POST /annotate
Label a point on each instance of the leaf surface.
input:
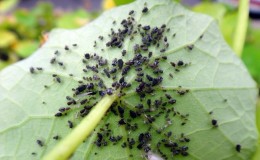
(216, 79)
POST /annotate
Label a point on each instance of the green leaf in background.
(121, 2)
(212, 85)
(7, 38)
(251, 58)
(73, 20)
(25, 48)
(257, 154)
(6, 5)
(251, 54)
(216, 10)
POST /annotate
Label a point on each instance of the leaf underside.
(214, 82)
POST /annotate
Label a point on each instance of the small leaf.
(25, 48)
(73, 20)
(7, 38)
(195, 99)
(6, 5)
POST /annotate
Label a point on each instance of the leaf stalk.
(241, 27)
(69, 144)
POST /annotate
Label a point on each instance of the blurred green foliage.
(23, 31)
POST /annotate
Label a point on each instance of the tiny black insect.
(120, 63)
(39, 142)
(109, 91)
(70, 124)
(66, 48)
(238, 147)
(214, 122)
(58, 114)
(53, 60)
(75, 45)
(190, 47)
(146, 28)
(87, 56)
(180, 63)
(123, 52)
(32, 70)
(56, 137)
(145, 10)
(39, 68)
(60, 63)
(131, 12)
(58, 79)
(121, 122)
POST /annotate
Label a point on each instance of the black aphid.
(40, 143)
(109, 91)
(146, 28)
(133, 114)
(101, 38)
(145, 10)
(123, 52)
(87, 55)
(131, 12)
(58, 79)
(32, 70)
(120, 63)
(172, 101)
(62, 109)
(180, 63)
(238, 147)
(74, 45)
(53, 60)
(121, 122)
(56, 137)
(107, 73)
(60, 63)
(150, 54)
(66, 48)
(70, 124)
(214, 122)
(58, 114)
(39, 68)
(190, 47)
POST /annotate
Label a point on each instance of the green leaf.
(121, 2)
(73, 20)
(25, 48)
(7, 38)
(216, 10)
(216, 79)
(6, 5)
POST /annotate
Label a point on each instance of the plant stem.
(67, 146)
(241, 28)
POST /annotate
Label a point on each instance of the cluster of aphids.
(150, 107)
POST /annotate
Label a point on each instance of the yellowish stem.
(241, 27)
(70, 143)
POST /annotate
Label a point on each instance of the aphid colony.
(154, 104)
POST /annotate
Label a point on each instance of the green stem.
(241, 28)
(68, 145)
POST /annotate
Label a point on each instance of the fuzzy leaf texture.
(203, 79)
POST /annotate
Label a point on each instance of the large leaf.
(217, 81)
